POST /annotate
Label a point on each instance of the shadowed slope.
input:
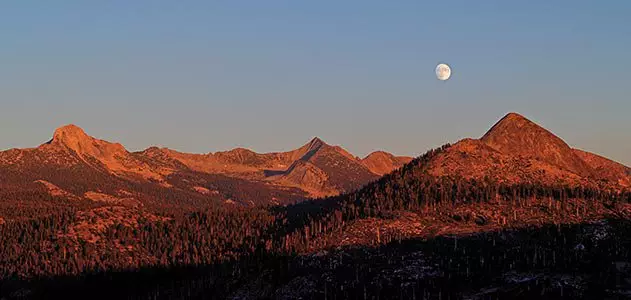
(326, 170)
(606, 168)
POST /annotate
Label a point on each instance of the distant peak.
(516, 135)
(153, 148)
(69, 130)
(513, 116)
(382, 162)
(73, 137)
(378, 153)
(314, 144)
(316, 141)
(241, 150)
(156, 149)
(69, 134)
(511, 121)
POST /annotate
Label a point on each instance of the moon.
(443, 72)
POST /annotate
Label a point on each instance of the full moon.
(443, 72)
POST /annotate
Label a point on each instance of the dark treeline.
(243, 238)
(581, 261)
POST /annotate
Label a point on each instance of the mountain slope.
(238, 162)
(380, 162)
(466, 216)
(111, 157)
(80, 166)
(517, 150)
(516, 135)
(500, 181)
(325, 170)
(514, 150)
(76, 166)
(316, 167)
(605, 168)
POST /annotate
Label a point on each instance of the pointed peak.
(317, 141)
(310, 148)
(313, 145)
(514, 116)
(512, 122)
(516, 135)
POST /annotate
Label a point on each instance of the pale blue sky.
(202, 76)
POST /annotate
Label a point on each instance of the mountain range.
(87, 217)
(74, 165)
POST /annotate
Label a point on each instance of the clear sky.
(270, 75)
